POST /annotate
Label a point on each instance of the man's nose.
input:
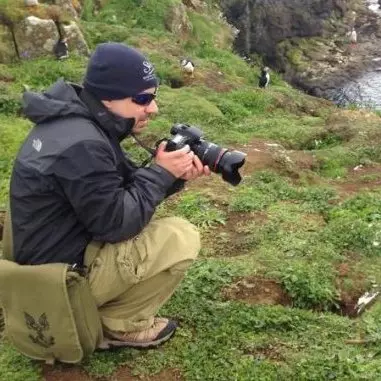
(152, 108)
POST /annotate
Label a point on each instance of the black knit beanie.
(116, 71)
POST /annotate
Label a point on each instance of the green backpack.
(49, 311)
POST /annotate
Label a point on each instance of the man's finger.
(198, 164)
(161, 146)
(180, 152)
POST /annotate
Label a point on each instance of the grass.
(314, 229)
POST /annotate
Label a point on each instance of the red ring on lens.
(218, 159)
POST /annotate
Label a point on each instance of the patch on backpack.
(40, 327)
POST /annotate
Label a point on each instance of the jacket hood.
(60, 100)
(66, 99)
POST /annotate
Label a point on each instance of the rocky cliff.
(307, 39)
(265, 23)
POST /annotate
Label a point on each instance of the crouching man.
(76, 198)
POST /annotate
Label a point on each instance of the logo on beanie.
(149, 71)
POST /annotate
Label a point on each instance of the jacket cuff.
(167, 178)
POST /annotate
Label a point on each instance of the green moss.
(14, 366)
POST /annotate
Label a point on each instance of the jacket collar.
(114, 125)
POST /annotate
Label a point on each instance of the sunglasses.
(143, 99)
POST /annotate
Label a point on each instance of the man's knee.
(184, 238)
(181, 267)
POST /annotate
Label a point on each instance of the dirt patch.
(358, 179)
(64, 373)
(347, 303)
(257, 290)
(215, 81)
(124, 374)
(264, 154)
(237, 220)
(234, 237)
(69, 373)
(259, 157)
(303, 160)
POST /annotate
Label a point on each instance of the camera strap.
(150, 150)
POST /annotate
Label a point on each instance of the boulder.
(75, 39)
(67, 5)
(177, 20)
(195, 4)
(35, 37)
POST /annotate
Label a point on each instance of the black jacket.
(72, 183)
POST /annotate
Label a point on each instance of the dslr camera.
(220, 160)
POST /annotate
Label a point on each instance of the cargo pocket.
(131, 261)
(105, 280)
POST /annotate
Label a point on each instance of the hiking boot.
(160, 332)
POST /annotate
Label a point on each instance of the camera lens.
(229, 164)
(220, 160)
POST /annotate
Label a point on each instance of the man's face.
(141, 108)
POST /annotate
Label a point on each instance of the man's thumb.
(161, 146)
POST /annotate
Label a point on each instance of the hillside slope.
(285, 255)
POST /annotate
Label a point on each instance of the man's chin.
(139, 127)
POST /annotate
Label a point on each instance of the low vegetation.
(305, 221)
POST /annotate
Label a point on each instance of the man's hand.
(176, 162)
(197, 170)
(183, 163)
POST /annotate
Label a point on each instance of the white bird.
(366, 299)
(187, 66)
(353, 36)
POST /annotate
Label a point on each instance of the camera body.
(220, 160)
(183, 135)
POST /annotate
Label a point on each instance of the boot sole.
(110, 343)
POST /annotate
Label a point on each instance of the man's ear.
(107, 104)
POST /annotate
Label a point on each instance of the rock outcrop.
(177, 20)
(263, 24)
(35, 37)
(68, 7)
(307, 40)
(197, 5)
(31, 30)
(75, 39)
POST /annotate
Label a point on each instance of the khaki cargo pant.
(131, 280)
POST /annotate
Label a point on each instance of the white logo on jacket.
(37, 144)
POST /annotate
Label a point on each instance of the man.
(76, 198)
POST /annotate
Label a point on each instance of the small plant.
(248, 199)
(356, 225)
(199, 210)
(310, 285)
